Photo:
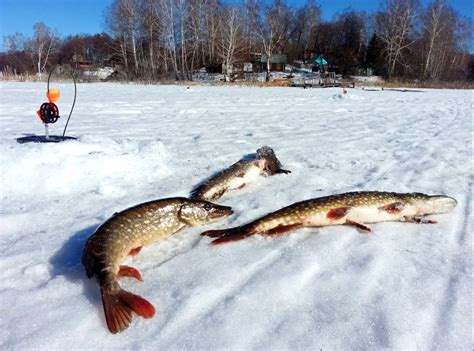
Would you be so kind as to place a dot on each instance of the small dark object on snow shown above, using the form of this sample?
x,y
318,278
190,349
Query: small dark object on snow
x,y
43,139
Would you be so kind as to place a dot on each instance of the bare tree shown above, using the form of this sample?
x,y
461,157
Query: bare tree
x,y
273,29
230,36
117,29
124,19
303,28
182,7
212,30
168,25
129,13
439,26
395,24
14,42
151,30
43,45
250,17
202,31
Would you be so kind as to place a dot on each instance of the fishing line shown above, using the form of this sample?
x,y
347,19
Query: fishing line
x,y
75,95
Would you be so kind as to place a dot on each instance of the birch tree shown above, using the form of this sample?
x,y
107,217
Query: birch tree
x,y
230,37
439,26
212,31
182,7
151,30
168,25
273,29
203,22
124,20
42,45
395,24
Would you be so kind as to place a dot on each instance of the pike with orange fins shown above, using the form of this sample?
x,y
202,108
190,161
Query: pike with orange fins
x,y
124,234
355,209
241,173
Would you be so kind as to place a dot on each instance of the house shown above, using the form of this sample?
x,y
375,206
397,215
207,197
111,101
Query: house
x,y
277,62
113,60
79,62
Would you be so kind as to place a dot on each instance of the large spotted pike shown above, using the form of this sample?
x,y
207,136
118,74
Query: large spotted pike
x,y
124,234
355,208
241,173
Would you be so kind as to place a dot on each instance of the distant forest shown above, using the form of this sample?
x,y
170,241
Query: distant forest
x,y
170,39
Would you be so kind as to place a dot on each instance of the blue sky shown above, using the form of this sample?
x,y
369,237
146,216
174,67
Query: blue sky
x,y
86,16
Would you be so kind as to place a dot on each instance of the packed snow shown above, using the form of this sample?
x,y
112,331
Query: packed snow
x,y
404,286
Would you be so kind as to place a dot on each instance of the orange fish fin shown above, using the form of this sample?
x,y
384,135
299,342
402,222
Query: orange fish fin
x,y
393,208
337,213
118,308
138,304
230,234
358,225
117,314
281,229
126,271
135,251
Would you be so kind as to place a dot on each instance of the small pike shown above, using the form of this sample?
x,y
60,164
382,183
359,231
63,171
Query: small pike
x,y
239,174
355,208
124,234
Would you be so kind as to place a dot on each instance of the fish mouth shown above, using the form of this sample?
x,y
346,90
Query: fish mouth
x,y
441,203
221,211
269,163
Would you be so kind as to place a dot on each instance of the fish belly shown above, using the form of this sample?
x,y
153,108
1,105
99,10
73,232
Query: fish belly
x,y
360,215
250,176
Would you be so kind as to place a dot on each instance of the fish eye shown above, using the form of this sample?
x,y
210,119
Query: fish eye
x,y
207,207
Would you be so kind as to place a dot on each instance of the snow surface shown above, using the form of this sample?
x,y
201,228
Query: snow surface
x,y
406,286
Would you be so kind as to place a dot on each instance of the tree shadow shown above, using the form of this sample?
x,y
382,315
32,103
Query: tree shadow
x,y
66,262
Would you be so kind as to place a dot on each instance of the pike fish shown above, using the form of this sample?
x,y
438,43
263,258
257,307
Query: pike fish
x,y
124,234
354,208
239,174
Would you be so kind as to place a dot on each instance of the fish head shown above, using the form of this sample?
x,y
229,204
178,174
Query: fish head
x,y
427,204
267,160
198,212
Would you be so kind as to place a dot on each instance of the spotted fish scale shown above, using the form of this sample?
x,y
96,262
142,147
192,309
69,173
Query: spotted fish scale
x,y
354,208
124,234
239,175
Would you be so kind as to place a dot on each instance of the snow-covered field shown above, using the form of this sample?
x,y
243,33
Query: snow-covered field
x,y
406,286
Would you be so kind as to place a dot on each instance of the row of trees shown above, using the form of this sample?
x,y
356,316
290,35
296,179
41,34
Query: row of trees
x,y
156,38
46,49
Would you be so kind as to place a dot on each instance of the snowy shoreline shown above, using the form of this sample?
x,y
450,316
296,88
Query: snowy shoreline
x,y
405,286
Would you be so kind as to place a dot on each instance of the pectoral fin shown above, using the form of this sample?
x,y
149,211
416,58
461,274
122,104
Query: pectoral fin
x,y
282,229
126,271
358,225
135,251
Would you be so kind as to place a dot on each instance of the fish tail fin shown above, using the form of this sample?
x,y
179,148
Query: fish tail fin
x,y
230,234
118,308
